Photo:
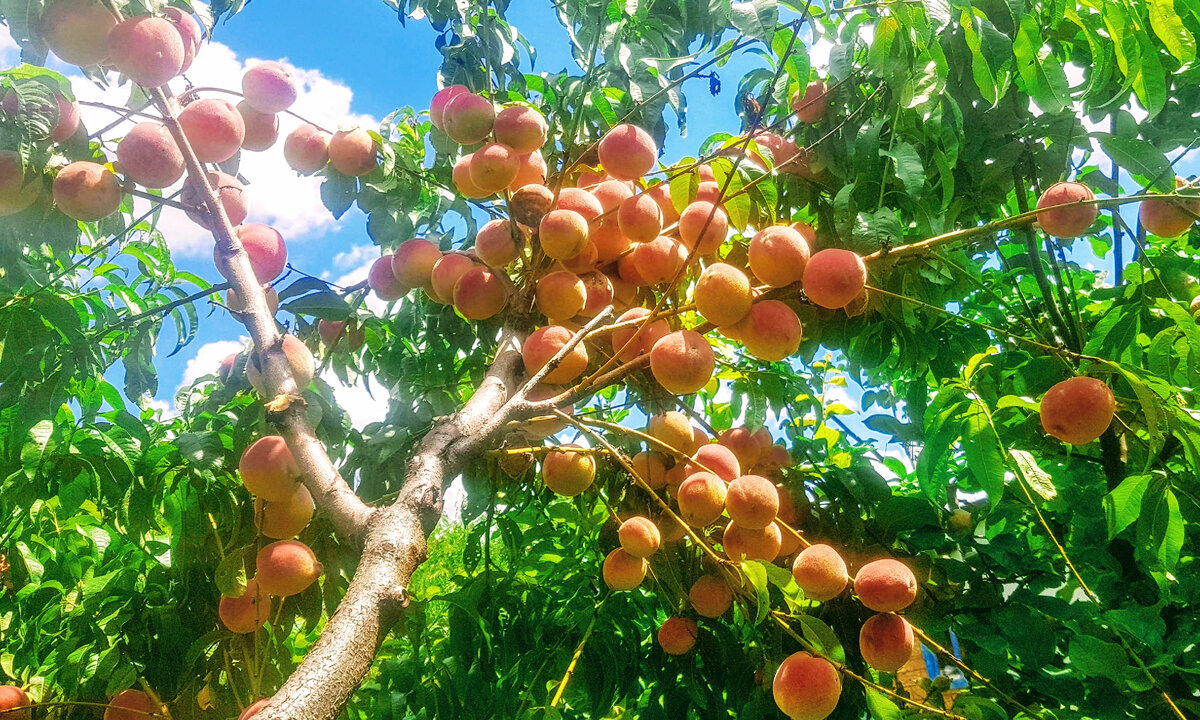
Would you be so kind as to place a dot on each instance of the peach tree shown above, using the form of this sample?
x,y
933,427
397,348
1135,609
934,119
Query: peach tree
x,y
639,365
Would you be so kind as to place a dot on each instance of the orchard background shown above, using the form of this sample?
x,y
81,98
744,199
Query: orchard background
x,y
1042,544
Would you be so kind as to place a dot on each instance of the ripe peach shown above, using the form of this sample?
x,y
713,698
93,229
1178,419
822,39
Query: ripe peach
x,y
752,502
479,294
582,263
627,152
306,149
300,361
671,529
885,585
778,255
214,128
811,106
662,195
886,642
623,571
609,241
149,156
384,282
563,234
654,331
1078,410
820,572
234,302
787,505
762,544
717,459
568,473
771,331
498,243
710,596
1169,218
77,30
262,129
530,204
611,193
672,428
11,698
494,167
790,542
246,612
353,152
461,177
640,218
1071,221
561,295
703,227
701,439
331,331
531,170
743,444
445,276
148,50
269,87
265,246
19,187
225,371
833,277
677,635
806,687
581,201
543,344
682,362
142,707
701,499
437,106
413,262
286,567
87,191
650,466
710,192
189,31
659,260
639,536
599,293
268,469
253,708
468,118
723,294
231,193
522,128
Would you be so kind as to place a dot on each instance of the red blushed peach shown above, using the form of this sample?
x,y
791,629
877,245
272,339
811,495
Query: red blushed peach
x,y
246,612
262,129
268,469
353,152
788,157
522,128
445,275
778,255
885,585
306,149
530,204
710,596
468,118
639,536
384,282
531,170
19,187
710,192
300,361
253,708
745,544
703,227
286,567
621,337
580,201
640,218
623,571
771,331
330,330
461,177
234,302
230,192
563,234
811,105
480,294
148,50
677,635
269,87
11,698
833,277
568,473
682,362
214,128
149,156
820,572
752,502
886,642
283,520
543,344
551,424
723,294
87,191
584,262
650,467
662,195
701,499
560,295
265,246
1078,410
498,243
1169,218
673,429
627,152
77,30
1069,221
494,167
132,705
806,687
744,446
189,30
437,106
611,193
413,262
610,242
659,260
717,459
599,293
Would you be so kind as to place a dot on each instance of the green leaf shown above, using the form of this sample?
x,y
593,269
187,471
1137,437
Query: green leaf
x,y
1146,163
907,166
1096,658
1160,531
756,18
1039,480
757,576
881,706
822,637
232,572
1169,28
938,12
982,452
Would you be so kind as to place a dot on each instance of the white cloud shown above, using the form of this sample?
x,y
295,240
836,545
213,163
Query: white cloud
x,y
207,359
